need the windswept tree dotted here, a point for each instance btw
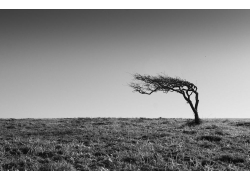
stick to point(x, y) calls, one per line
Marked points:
point(146, 84)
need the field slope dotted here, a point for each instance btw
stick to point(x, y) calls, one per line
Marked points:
point(138, 144)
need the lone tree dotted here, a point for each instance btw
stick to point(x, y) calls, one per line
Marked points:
point(147, 84)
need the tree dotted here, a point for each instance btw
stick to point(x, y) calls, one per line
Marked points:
point(147, 84)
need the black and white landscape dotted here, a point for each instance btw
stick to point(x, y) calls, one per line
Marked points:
point(136, 90)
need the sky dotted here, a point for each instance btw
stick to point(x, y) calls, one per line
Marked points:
point(78, 63)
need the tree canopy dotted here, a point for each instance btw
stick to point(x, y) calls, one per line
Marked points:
point(146, 84)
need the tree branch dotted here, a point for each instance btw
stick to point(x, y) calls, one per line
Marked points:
point(142, 90)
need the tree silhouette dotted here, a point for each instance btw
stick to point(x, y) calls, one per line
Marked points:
point(147, 84)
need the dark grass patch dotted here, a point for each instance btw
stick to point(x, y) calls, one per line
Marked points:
point(244, 124)
point(228, 158)
point(102, 123)
point(43, 161)
point(11, 166)
point(57, 158)
point(12, 151)
point(188, 159)
point(145, 137)
point(207, 162)
point(189, 132)
point(234, 148)
point(11, 127)
point(210, 138)
point(17, 165)
point(60, 152)
point(207, 145)
point(211, 127)
point(159, 135)
point(220, 132)
point(130, 160)
point(107, 163)
point(139, 120)
point(58, 147)
point(46, 154)
point(147, 167)
point(165, 122)
point(57, 166)
point(100, 154)
point(25, 150)
point(154, 136)
point(134, 141)
point(191, 122)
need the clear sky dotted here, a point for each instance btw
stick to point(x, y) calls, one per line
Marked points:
point(78, 63)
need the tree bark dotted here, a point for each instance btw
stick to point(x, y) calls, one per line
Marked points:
point(196, 117)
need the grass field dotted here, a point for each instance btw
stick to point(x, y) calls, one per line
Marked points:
point(121, 144)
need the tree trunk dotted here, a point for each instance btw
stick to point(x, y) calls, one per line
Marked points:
point(194, 108)
point(196, 117)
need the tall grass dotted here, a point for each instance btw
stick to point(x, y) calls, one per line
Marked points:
point(123, 144)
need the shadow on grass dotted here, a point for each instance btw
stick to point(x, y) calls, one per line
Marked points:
point(191, 122)
point(227, 158)
point(210, 138)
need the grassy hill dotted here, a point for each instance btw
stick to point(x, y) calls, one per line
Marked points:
point(138, 144)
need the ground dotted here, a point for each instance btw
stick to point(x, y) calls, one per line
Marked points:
point(115, 144)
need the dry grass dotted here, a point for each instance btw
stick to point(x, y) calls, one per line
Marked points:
point(120, 144)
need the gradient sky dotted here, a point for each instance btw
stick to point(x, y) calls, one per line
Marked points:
point(78, 63)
